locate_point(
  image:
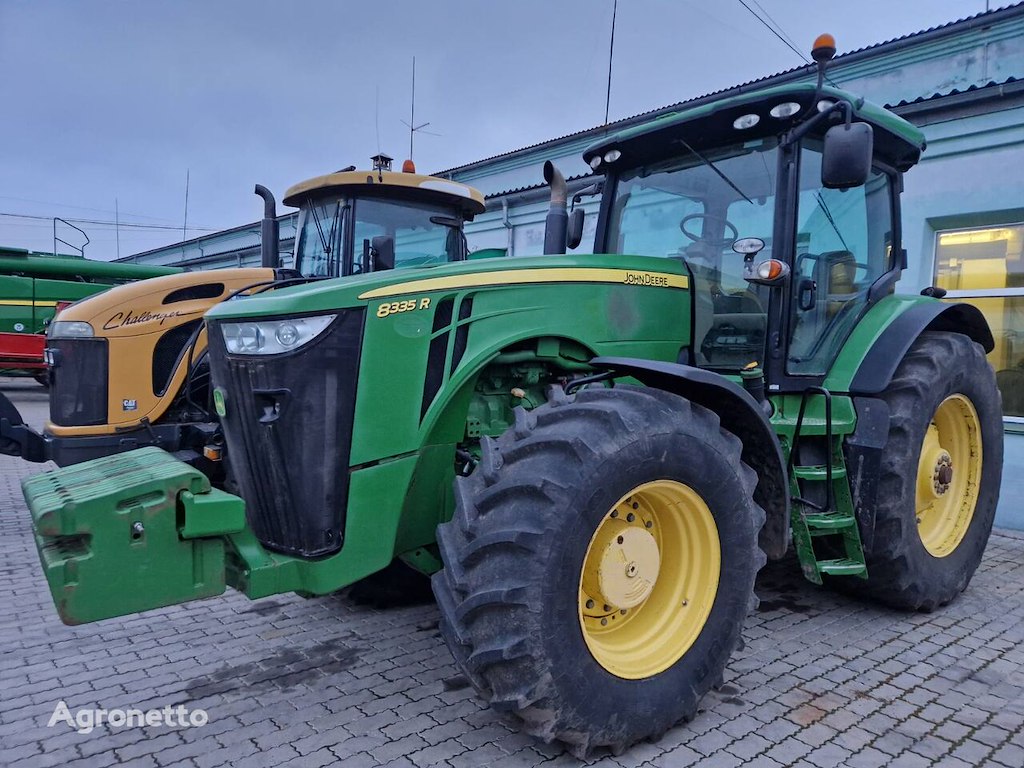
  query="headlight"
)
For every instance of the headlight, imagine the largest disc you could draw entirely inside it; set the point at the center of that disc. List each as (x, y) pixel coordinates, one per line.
(69, 329)
(784, 110)
(272, 337)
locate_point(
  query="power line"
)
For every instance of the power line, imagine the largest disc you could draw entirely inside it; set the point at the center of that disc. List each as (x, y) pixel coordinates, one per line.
(80, 207)
(101, 223)
(778, 26)
(775, 32)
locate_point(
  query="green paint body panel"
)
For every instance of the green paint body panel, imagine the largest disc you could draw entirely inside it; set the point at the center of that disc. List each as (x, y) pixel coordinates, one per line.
(864, 335)
(108, 534)
(371, 529)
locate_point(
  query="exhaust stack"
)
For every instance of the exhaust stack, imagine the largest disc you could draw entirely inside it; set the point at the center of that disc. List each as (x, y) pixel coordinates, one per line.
(557, 221)
(269, 230)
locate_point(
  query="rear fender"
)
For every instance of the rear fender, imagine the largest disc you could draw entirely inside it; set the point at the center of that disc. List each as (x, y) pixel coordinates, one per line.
(740, 414)
(878, 365)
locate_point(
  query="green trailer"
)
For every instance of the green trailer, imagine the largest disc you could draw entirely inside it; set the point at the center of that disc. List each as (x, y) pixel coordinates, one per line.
(34, 286)
(593, 455)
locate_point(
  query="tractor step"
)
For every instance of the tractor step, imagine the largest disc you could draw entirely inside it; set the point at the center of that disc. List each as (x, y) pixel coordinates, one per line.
(819, 473)
(829, 522)
(842, 567)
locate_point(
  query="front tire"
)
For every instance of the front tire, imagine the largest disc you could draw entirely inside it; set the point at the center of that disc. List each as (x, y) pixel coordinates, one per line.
(940, 475)
(600, 564)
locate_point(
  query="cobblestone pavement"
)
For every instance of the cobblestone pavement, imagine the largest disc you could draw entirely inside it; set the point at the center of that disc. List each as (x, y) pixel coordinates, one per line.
(822, 681)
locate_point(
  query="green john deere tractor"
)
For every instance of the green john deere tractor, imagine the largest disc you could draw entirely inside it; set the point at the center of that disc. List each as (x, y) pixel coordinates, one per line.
(592, 454)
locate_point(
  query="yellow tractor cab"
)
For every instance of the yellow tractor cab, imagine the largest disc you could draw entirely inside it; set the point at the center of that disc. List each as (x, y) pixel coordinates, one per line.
(128, 367)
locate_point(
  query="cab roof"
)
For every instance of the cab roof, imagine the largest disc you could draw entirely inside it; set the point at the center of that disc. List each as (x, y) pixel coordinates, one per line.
(407, 186)
(708, 125)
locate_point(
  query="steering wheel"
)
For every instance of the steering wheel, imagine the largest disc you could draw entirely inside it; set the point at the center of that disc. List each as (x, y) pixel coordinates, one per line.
(726, 242)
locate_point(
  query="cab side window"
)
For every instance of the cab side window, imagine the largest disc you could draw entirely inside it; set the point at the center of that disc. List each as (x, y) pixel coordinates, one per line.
(844, 244)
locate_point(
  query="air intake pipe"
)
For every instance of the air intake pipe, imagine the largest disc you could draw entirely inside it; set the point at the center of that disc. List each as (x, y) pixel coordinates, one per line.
(557, 222)
(269, 230)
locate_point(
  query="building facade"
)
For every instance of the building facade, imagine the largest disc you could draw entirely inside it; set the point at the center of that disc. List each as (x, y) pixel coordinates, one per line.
(963, 205)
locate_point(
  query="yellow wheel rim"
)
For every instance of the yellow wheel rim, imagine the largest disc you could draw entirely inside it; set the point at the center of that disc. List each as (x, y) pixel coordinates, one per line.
(948, 475)
(649, 579)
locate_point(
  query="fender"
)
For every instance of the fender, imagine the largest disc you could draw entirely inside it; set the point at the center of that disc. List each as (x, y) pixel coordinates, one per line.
(878, 366)
(740, 414)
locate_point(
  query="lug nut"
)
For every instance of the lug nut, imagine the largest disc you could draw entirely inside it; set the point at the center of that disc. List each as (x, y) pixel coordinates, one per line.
(630, 517)
(648, 524)
(590, 603)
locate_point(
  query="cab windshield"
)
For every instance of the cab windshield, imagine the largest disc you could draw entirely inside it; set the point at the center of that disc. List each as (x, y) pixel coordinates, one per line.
(686, 209)
(345, 236)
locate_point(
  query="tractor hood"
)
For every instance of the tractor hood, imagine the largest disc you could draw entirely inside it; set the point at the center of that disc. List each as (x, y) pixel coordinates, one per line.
(146, 306)
(385, 287)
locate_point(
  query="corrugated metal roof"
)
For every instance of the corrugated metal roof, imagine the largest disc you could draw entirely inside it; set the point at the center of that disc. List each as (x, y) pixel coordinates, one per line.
(895, 107)
(953, 92)
(807, 70)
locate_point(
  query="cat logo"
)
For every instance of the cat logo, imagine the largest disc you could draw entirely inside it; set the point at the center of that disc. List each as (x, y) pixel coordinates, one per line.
(129, 405)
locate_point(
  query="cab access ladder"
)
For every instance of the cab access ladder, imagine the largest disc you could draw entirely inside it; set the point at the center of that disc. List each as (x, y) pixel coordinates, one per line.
(825, 534)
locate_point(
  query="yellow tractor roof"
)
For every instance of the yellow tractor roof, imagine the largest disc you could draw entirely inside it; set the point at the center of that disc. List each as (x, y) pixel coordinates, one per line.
(409, 186)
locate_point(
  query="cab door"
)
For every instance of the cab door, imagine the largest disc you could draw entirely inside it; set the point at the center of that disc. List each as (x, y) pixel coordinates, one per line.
(844, 259)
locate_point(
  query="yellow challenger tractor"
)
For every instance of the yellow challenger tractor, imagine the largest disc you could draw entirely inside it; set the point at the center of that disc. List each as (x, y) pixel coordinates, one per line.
(129, 367)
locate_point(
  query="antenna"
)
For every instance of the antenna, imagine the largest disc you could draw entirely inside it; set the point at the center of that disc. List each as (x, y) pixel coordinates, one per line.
(412, 112)
(376, 115)
(184, 225)
(611, 51)
(117, 228)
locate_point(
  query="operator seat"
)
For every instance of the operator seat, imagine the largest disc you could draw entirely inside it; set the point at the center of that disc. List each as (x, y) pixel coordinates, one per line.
(836, 289)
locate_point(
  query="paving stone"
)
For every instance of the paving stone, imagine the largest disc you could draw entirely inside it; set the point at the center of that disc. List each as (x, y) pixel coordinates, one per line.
(324, 681)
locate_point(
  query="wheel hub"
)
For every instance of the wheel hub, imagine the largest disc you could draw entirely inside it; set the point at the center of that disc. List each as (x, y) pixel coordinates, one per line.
(945, 499)
(649, 578)
(627, 568)
(942, 477)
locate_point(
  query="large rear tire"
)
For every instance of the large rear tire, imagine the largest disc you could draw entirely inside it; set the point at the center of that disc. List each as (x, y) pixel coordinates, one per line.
(600, 564)
(940, 474)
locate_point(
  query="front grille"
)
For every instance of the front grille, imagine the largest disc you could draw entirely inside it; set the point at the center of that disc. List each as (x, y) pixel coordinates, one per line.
(78, 382)
(288, 430)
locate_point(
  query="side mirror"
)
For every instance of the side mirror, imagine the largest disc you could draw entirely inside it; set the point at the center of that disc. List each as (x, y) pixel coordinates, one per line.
(846, 157)
(574, 232)
(383, 248)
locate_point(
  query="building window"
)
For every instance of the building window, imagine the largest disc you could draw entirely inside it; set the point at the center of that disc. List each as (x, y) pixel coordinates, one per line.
(985, 267)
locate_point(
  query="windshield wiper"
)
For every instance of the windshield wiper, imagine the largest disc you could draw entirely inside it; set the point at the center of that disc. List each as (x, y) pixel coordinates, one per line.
(326, 241)
(320, 231)
(828, 215)
(714, 168)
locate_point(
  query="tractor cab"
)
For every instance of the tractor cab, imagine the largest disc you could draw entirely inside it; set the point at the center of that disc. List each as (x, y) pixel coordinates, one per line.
(784, 206)
(355, 222)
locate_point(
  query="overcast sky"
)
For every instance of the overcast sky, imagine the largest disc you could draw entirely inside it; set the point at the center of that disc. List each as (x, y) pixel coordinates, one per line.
(108, 101)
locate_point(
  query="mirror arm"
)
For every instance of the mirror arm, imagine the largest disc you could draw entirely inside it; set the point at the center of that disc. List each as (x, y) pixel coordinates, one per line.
(804, 128)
